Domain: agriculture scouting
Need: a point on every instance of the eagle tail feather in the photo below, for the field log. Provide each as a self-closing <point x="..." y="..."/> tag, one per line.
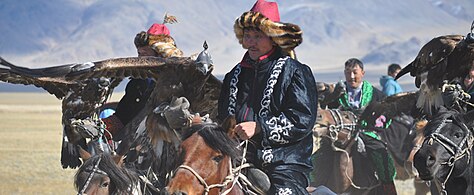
<point x="429" y="101"/>
<point x="69" y="154"/>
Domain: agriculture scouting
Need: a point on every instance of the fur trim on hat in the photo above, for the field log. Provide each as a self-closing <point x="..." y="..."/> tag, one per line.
<point x="164" y="45"/>
<point x="286" y="35"/>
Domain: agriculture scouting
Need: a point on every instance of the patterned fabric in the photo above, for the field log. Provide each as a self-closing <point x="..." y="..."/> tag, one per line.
<point x="280" y="95"/>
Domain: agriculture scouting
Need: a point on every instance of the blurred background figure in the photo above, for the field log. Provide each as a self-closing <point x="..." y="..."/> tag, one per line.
<point x="388" y="83"/>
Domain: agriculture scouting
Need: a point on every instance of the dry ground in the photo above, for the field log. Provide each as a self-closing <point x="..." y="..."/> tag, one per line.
<point x="30" y="142"/>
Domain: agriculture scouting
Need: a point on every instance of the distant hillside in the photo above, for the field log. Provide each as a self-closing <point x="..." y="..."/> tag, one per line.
<point x="380" y="32"/>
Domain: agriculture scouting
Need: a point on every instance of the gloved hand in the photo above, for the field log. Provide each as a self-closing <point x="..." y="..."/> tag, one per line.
<point x="452" y="94"/>
<point x="177" y="113"/>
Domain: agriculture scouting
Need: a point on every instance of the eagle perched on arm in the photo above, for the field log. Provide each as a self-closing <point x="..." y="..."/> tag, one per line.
<point x="445" y="58"/>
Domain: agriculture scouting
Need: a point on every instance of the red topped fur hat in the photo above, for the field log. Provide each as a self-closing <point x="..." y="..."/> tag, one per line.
<point x="265" y="16"/>
<point x="159" y="38"/>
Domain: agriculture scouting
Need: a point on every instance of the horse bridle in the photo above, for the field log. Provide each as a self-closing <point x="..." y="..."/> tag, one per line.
<point x="457" y="152"/>
<point x="339" y="125"/>
<point x="229" y="178"/>
<point x="234" y="173"/>
<point x="91" y="175"/>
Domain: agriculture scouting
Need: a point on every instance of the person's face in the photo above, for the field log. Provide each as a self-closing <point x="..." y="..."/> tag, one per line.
<point x="394" y="74"/>
<point x="354" y="76"/>
<point x="471" y="72"/>
<point x="257" y="43"/>
<point x="146" y="51"/>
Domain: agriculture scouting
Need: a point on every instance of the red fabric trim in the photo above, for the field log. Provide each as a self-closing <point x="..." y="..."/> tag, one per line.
<point x="244" y="63"/>
<point x="113" y="125"/>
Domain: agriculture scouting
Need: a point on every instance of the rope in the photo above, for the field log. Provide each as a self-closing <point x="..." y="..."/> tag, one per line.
<point x="336" y="149"/>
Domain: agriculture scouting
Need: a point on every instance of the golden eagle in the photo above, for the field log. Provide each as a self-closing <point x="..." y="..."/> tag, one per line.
<point x="443" y="59"/>
<point x="174" y="76"/>
<point x="80" y="101"/>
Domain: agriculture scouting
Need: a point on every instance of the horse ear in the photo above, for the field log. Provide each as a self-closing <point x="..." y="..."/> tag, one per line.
<point x="229" y="124"/>
<point x="84" y="154"/>
<point x="118" y="159"/>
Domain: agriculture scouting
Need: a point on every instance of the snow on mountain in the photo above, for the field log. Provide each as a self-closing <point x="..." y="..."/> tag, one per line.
<point x="380" y="32"/>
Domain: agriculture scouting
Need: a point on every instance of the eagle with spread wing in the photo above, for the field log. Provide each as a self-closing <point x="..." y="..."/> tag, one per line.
<point x="174" y="76"/>
<point x="80" y="101"/>
<point x="443" y="59"/>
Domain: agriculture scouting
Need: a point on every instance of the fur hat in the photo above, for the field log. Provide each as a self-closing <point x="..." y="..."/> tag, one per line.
<point x="265" y="16"/>
<point x="159" y="38"/>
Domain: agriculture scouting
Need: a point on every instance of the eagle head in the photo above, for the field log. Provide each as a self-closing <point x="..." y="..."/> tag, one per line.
<point x="204" y="60"/>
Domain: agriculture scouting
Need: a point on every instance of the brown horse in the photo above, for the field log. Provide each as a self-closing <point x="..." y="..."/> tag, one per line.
<point x="338" y="130"/>
<point x="208" y="154"/>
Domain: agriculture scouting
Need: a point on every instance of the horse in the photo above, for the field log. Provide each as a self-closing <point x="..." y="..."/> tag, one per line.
<point x="207" y="155"/>
<point x="338" y="131"/>
<point x="100" y="175"/>
<point x="445" y="155"/>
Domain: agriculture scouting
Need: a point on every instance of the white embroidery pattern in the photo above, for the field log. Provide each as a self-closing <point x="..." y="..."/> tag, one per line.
<point x="284" y="191"/>
<point x="233" y="90"/>
<point x="267" y="156"/>
<point x="272" y="80"/>
<point x="280" y="127"/>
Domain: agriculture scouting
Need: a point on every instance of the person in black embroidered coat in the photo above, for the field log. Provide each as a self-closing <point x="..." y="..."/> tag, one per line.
<point x="273" y="98"/>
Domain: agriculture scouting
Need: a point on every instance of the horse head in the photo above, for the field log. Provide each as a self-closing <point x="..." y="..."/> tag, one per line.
<point x="336" y="125"/>
<point x="100" y="175"/>
<point x="445" y="155"/>
<point x="207" y="154"/>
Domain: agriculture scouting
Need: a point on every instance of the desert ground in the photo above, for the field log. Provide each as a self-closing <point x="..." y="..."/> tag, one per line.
<point x="30" y="143"/>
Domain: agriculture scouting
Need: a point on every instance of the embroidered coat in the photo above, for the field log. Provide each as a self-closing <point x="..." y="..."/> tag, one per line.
<point x="279" y="93"/>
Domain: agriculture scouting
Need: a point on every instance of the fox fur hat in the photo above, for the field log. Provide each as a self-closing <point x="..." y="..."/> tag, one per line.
<point x="159" y="38"/>
<point x="265" y="16"/>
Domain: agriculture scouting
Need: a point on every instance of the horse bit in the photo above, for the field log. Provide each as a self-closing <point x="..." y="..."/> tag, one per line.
<point x="456" y="151"/>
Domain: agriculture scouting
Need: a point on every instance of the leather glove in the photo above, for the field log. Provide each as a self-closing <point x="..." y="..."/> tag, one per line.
<point x="177" y="113"/>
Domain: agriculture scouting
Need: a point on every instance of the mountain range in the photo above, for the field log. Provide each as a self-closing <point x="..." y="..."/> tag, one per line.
<point x="379" y="32"/>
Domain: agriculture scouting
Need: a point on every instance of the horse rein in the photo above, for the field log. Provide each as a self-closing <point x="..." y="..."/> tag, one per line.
<point x="91" y="175"/>
<point x="456" y="151"/>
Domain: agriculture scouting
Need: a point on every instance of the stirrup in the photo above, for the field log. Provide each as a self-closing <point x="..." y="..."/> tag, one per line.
<point x="259" y="181"/>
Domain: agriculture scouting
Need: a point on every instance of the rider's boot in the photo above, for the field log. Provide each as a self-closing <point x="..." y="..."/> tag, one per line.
<point x="260" y="182"/>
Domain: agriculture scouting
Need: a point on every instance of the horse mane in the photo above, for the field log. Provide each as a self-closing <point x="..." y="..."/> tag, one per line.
<point x="121" y="179"/>
<point x="440" y="116"/>
<point x="217" y="138"/>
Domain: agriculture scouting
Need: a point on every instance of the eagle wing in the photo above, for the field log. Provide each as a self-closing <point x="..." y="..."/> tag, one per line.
<point x="391" y="106"/>
<point x="56" y="86"/>
<point x="136" y="67"/>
